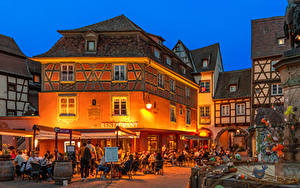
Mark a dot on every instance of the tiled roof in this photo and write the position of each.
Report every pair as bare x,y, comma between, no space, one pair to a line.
34,66
119,23
265,34
240,78
8,45
208,52
13,65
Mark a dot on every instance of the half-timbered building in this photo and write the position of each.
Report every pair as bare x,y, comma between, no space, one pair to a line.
268,44
14,78
232,107
113,73
207,64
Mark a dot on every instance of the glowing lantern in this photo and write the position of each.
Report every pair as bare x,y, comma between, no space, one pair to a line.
35,143
203,134
148,105
78,144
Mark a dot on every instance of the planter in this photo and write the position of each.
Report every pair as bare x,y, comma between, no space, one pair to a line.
7,168
62,171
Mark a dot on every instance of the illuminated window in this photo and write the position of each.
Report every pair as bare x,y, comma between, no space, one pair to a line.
232,88
172,85
36,78
156,53
67,72
188,116
119,106
119,73
168,60
225,110
91,46
204,87
276,89
281,41
240,109
204,111
160,80
173,113
204,62
187,92
67,106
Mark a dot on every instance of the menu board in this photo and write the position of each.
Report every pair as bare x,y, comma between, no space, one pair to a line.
111,154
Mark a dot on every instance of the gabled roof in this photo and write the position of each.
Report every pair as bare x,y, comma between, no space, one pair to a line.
264,37
208,52
10,64
8,45
119,23
187,51
240,78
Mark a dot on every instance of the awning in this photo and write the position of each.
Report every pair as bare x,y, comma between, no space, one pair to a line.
193,137
103,135
13,132
48,133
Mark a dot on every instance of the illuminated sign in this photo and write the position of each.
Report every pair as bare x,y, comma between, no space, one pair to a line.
113,125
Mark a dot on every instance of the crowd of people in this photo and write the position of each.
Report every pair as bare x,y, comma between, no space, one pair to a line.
90,160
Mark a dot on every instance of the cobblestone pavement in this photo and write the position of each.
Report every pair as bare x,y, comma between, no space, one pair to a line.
174,177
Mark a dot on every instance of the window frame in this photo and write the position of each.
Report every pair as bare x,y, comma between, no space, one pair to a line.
277,90
160,80
187,92
203,113
172,107
120,110
68,113
272,65
114,73
226,110
205,61
204,82
67,73
232,86
279,41
156,53
172,86
11,85
238,111
188,116
168,61
88,46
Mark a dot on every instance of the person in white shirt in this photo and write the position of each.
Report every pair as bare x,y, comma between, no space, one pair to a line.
19,160
102,167
31,159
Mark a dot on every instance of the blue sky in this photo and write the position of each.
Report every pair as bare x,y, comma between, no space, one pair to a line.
198,23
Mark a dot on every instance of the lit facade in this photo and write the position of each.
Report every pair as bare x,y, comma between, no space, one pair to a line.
94,79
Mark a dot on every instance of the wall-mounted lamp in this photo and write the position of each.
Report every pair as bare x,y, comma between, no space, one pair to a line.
35,143
78,144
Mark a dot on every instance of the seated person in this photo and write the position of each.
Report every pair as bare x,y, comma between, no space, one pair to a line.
136,163
46,166
32,159
126,168
102,167
159,162
19,160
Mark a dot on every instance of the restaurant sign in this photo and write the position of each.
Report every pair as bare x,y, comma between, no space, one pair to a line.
113,125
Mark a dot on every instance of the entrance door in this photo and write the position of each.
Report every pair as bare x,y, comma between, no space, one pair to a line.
153,143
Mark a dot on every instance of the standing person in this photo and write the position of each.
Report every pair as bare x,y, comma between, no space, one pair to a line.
19,160
94,156
85,161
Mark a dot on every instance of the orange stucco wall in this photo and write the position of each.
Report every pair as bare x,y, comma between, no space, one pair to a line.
156,118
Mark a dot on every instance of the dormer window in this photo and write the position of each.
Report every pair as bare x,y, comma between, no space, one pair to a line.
91,46
168,60
232,88
159,42
204,62
156,53
281,41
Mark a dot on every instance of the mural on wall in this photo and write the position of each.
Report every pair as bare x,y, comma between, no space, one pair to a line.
270,134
